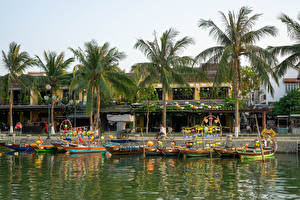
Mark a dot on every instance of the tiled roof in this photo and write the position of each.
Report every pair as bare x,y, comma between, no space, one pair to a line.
291,80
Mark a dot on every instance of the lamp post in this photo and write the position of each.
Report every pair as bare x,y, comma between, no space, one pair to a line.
48,87
49,126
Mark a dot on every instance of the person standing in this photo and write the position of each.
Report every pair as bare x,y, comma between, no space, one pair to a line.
162,132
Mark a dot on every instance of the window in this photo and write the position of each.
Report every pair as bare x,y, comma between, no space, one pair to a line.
205,92
158,92
214,93
291,86
183,93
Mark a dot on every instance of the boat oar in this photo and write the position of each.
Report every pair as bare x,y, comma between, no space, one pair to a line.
259,139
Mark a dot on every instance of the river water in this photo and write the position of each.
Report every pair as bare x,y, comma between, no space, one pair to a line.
60,176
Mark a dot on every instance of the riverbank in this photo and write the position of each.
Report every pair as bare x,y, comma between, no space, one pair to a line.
285,144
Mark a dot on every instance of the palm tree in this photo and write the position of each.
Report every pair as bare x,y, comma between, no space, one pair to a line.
15,62
165,65
292,51
144,93
98,73
55,67
236,42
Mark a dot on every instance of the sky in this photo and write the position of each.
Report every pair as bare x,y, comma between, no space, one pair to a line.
56,25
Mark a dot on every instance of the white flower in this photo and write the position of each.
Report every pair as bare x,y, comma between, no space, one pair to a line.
209,107
202,104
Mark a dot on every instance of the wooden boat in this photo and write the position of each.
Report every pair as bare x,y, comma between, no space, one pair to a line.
226,152
84,149
255,153
150,151
188,152
59,146
18,147
123,150
169,151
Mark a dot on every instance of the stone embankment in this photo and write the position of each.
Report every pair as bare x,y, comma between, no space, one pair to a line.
284,144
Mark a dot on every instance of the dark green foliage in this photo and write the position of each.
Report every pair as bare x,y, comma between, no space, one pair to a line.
230,102
289,104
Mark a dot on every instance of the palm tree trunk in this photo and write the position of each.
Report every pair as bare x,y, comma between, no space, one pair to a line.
147,123
98,122
236,97
11,130
91,111
164,108
52,113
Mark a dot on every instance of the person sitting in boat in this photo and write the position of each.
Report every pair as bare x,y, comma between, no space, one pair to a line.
229,143
162,132
173,144
264,141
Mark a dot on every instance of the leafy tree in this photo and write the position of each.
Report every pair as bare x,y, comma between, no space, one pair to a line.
249,81
55,67
237,41
98,73
291,51
15,61
289,104
4,90
165,65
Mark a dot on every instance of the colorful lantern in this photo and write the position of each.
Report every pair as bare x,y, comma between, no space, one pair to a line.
150,143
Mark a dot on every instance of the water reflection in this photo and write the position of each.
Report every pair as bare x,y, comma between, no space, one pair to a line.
94,176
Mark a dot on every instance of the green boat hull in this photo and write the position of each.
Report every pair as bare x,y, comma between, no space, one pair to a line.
45,150
256,156
213,154
196,155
